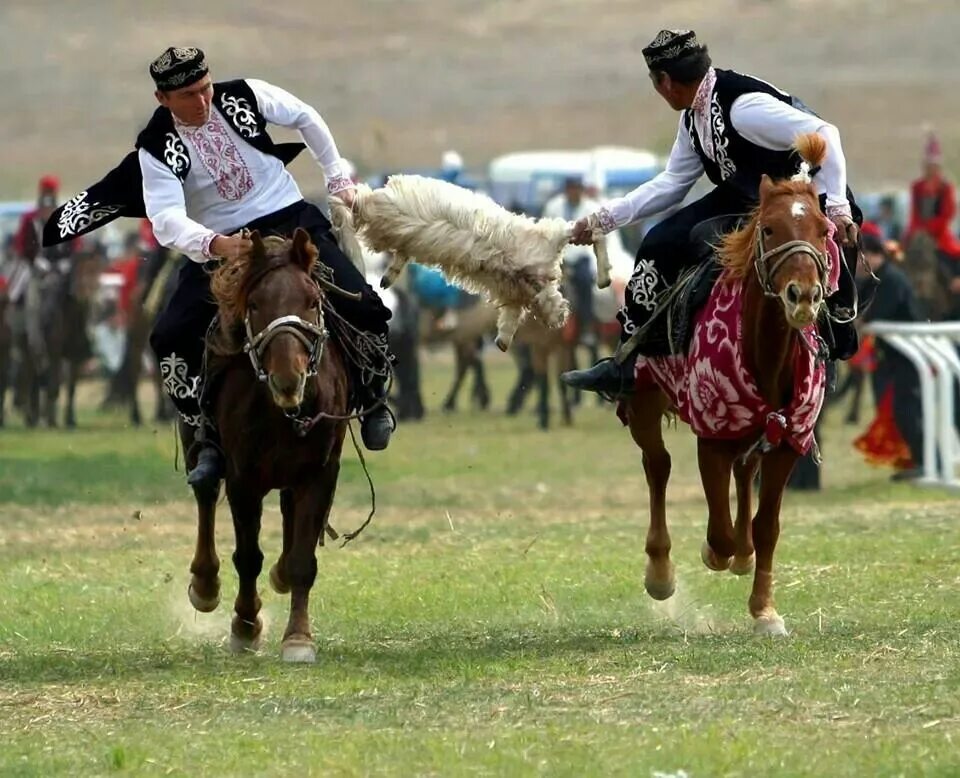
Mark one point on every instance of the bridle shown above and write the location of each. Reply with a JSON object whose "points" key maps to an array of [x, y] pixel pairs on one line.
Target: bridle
{"points": [[769, 262], [313, 336]]}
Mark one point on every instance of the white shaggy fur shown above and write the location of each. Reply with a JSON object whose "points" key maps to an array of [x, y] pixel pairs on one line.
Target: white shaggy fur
{"points": [[513, 260]]}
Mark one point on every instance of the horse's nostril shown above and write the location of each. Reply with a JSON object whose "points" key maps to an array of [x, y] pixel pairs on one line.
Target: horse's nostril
{"points": [[793, 293], [817, 294]]}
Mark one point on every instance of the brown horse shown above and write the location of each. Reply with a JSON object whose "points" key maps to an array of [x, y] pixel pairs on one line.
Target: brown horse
{"points": [[780, 261], [271, 315]]}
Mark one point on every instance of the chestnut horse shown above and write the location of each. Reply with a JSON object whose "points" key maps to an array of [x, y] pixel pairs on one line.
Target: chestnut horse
{"points": [[270, 314], [778, 271]]}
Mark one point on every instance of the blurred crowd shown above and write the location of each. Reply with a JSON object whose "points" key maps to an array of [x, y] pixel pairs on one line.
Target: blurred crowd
{"points": [[910, 244]]}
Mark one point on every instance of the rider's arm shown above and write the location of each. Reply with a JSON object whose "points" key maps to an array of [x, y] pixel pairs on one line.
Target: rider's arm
{"points": [[766, 121], [282, 108], [659, 193], [167, 211]]}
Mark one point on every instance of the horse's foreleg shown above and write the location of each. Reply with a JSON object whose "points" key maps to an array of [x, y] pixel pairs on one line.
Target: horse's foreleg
{"points": [[204, 589], [312, 505], [645, 417], [278, 573], [246, 505], [775, 470], [54, 378], [69, 411], [743, 555], [715, 458]]}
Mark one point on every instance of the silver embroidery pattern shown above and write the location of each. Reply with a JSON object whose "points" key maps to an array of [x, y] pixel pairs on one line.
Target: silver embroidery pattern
{"points": [[665, 36], [643, 284], [720, 142], [78, 214], [175, 154], [188, 75], [176, 382], [238, 110], [194, 419]]}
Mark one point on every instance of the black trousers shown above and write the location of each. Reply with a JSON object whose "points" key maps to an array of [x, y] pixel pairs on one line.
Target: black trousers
{"points": [[667, 250], [178, 335]]}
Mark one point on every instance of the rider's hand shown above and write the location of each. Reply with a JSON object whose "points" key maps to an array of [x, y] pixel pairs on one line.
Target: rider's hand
{"points": [[582, 234], [847, 230], [231, 247], [348, 196]]}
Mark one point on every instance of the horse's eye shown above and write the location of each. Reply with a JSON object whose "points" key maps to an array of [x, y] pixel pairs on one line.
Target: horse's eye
{"points": [[252, 307], [767, 232], [315, 304]]}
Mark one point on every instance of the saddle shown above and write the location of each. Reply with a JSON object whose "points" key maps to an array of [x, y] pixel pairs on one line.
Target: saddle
{"points": [[669, 329]]}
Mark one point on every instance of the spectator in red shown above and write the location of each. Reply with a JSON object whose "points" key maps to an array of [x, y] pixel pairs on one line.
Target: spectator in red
{"points": [[933, 203], [26, 243]]}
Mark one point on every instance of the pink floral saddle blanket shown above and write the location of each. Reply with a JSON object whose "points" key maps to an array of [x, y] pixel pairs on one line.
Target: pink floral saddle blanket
{"points": [[711, 388]]}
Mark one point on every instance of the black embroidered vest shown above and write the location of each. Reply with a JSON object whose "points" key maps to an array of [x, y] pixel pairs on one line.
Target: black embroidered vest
{"points": [[739, 163], [120, 192]]}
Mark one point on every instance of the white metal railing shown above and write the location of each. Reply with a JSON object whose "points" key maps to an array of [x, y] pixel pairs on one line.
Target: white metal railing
{"points": [[932, 349]]}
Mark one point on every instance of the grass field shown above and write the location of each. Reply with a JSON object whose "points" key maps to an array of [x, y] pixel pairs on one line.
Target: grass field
{"points": [[491, 621]]}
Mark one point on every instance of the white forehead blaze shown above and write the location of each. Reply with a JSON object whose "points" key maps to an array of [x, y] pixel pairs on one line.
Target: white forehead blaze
{"points": [[798, 209]]}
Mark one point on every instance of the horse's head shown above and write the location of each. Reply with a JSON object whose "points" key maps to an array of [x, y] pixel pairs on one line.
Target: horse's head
{"points": [[273, 298], [785, 242]]}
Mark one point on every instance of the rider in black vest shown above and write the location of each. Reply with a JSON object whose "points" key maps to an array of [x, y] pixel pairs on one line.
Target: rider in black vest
{"points": [[204, 169], [733, 128]]}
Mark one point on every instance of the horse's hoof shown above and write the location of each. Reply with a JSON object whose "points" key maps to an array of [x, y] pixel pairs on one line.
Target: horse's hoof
{"points": [[244, 645], [743, 565], [277, 583], [770, 624], [711, 560], [298, 650], [203, 604], [660, 584]]}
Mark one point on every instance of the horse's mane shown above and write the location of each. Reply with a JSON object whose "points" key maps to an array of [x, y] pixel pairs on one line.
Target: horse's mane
{"points": [[232, 282], [737, 249]]}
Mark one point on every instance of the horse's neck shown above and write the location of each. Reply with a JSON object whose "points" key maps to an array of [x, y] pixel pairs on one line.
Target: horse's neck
{"points": [[768, 343]]}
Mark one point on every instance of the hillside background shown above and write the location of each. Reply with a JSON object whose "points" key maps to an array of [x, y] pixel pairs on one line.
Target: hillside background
{"points": [[400, 81]]}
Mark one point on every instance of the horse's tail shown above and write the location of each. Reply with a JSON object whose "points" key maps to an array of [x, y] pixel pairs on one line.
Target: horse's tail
{"points": [[345, 228], [812, 148]]}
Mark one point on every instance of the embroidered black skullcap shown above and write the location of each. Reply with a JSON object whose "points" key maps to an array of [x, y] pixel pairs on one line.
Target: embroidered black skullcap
{"points": [[670, 46], [178, 67]]}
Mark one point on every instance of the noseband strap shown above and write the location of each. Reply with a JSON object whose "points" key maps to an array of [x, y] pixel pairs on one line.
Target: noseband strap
{"points": [[769, 262], [312, 336]]}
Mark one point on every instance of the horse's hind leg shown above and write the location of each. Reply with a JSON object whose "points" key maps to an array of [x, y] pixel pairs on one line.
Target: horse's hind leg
{"points": [[715, 458], [775, 470], [645, 417], [204, 589], [312, 505], [744, 557], [461, 363], [246, 505]]}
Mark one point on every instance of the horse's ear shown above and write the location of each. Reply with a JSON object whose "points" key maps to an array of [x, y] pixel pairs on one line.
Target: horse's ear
{"points": [[766, 186], [303, 252], [259, 250]]}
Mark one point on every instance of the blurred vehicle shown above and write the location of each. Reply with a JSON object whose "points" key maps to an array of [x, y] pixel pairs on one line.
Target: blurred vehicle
{"points": [[526, 180]]}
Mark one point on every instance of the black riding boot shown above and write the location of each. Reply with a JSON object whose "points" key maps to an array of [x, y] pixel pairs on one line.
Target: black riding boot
{"points": [[608, 377], [210, 466], [376, 424]]}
